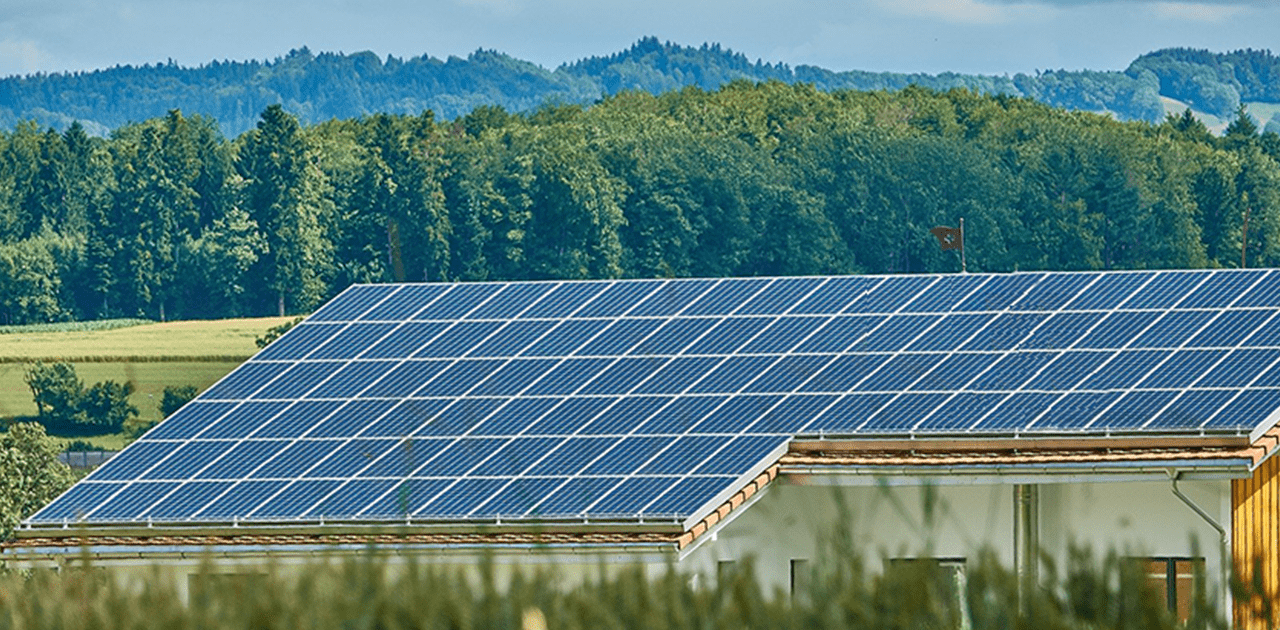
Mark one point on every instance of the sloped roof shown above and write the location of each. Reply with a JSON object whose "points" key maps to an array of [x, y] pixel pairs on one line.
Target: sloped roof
{"points": [[657, 401]]}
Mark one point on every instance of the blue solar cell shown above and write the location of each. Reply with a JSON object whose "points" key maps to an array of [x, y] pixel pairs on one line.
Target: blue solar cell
{"points": [[567, 377], [295, 499], [1015, 412], [900, 372], [1108, 291], [731, 375], [1000, 292], [407, 301], [461, 456], [298, 380], [960, 412], [511, 301], [409, 415], [1167, 289], [352, 418], [241, 499], [1005, 332], [946, 294], [565, 299], [189, 421], [840, 333], [1231, 328], [566, 337], [461, 498], [1173, 329], [511, 339], [895, 334], [1266, 335], [515, 416], [845, 372], [458, 339], [188, 460], [351, 303], [1117, 329], [295, 419], [1241, 367], [902, 413], [618, 298], [779, 297], [835, 294], [574, 496], [518, 455], [792, 413], [1246, 411], [684, 454], [407, 339], [352, 341], [671, 298], [296, 458], [1125, 370], [676, 376], [460, 300], [133, 461], [736, 414], [1135, 409], [728, 335], [355, 495], [573, 455], [1061, 331], [514, 377], [677, 417], [1011, 371], [569, 416], [77, 502], [687, 495], [1222, 288], [626, 415], [955, 371], [131, 502], [950, 333], [726, 297], [784, 334], [1053, 291], [244, 380], [298, 342], [236, 424], [1182, 369], [1191, 409], [1068, 370], [405, 458], [394, 499], [847, 414], [623, 376], [352, 379], [518, 497], [789, 373], [1266, 293], [626, 498], [621, 336], [673, 336], [628, 455], [242, 460], [183, 501], [460, 377], [1074, 410], [352, 457], [742, 455], [889, 296]]}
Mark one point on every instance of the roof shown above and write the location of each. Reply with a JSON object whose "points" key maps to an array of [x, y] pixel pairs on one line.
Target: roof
{"points": [[658, 401]]}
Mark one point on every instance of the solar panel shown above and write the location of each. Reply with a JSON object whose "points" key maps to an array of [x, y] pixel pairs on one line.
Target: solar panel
{"points": [[649, 398]]}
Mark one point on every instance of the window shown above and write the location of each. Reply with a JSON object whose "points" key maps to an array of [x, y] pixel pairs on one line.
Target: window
{"points": [[725, 569], [1175, 580], [946, 574], [800, 574]]}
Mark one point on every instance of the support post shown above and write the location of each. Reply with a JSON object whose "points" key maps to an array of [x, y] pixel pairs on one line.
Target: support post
{"points": [[1026, 540], [964, 268]]}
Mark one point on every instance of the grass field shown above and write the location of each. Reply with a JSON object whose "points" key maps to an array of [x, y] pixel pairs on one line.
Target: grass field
{"points": [[152, 356]]}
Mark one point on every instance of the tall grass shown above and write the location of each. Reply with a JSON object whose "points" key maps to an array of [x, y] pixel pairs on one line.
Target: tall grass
{"points": [[89, 326]]}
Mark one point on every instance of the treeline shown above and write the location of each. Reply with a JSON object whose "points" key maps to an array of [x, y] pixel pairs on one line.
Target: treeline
{"points": [[169, 219], [325, 86]]}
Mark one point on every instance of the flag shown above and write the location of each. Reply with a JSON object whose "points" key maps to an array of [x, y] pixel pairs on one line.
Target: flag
{"points": [[948, 237]]}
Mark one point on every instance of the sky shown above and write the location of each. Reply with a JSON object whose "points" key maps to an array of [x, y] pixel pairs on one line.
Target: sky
{"points": [[968, 36]]}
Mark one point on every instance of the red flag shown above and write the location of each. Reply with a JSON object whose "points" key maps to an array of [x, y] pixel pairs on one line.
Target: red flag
{"points": [[948, 237]]}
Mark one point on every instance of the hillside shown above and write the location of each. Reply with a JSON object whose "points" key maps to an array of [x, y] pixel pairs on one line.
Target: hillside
{"points": [[325, 86]]}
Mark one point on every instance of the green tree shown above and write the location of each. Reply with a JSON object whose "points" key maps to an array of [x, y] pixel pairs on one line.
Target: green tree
{"points": [[30, 473], [175, 396], [105, 407], [57, 391]]}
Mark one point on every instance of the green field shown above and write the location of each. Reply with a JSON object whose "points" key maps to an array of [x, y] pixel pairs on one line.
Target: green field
{"points": [[151, 356]]}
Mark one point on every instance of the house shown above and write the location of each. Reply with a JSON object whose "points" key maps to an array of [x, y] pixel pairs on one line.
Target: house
{"points": [[702, 421]]}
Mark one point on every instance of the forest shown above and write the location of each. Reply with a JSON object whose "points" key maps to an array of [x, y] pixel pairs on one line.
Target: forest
{"points": [[169, 219], [317, 87]]}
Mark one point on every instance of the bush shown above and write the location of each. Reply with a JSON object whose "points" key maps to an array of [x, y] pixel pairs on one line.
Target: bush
{"points": [[275, 332], [175, 396], [30, 477], [65, 407]]}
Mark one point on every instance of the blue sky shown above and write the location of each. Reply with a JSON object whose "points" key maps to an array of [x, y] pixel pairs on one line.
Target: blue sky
{"points": [[972, 36]]}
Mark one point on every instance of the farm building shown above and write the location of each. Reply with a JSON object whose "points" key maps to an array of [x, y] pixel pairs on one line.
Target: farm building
{"points": [[703, 421]]}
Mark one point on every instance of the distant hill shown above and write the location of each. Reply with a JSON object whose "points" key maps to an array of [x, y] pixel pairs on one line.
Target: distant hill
{"points": [[323, 86]]}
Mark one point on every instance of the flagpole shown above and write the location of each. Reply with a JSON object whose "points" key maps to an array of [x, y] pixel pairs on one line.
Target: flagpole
{"points": [[963, 267]]}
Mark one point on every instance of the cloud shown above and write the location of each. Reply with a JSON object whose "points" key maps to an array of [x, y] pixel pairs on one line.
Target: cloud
{"points": [[1233, 4], [22, 56], [1198, 11], [973, 12]]}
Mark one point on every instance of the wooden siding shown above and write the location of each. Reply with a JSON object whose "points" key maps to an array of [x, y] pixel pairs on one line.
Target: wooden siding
{"points": [[1255, 537]]}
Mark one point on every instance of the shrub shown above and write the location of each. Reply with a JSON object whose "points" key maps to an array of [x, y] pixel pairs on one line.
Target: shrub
{"points": [[175, 396], [275, 332], [65, 407]]}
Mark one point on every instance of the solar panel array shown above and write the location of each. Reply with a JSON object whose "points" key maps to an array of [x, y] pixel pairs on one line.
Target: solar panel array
{"points": [[651, 398]]}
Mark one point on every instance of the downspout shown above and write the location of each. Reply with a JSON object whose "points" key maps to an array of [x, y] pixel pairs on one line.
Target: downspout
{"points": [[1225, 561], [1026, 540]]}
